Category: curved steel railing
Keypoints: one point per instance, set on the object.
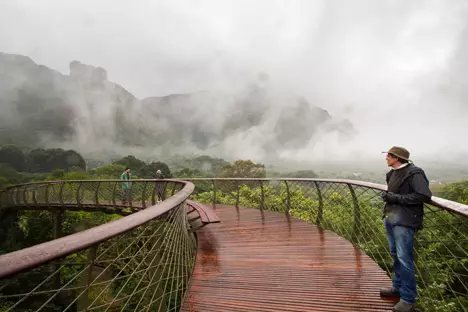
(105, 195)
(140, 262)
(235, 183)
(353, 209)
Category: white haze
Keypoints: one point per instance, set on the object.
(397, 69)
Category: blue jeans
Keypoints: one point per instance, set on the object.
(401, 241)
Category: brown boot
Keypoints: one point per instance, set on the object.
(402, 306)
(389, 292)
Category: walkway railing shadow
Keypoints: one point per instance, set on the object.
(141, 262)
(353, 209)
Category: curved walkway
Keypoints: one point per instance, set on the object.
(254, 261)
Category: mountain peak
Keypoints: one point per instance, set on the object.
(43, 108)
(87, 74)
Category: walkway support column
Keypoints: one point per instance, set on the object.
(288, 199)
(214, 192)
(320, 207)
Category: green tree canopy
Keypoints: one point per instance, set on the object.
(208, 164)
(188, 173)
(149, 171)
(110, 171)
(47, 160)
(457, 191)
(13, 156)
(301, 174)
(133, 163)
(243, 169)
(8, 176)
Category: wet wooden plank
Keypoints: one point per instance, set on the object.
(261, 262)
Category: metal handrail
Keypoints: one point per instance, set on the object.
(34, 256)
(458, 208)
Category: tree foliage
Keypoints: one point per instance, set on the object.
(149, 171)
(188, 173)
(13, 156)
(457, 191)
(310, 174)
(243, 169)
(110, 171)
(207, 164)
(131, 162)
(47, 160)
(9, 176)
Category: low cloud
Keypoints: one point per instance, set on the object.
(396, 70)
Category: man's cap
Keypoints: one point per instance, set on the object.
(399, 152)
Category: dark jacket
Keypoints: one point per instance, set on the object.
(413, 191)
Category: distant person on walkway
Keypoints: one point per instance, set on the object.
(160, 186)
(126, 176)
(408, 190)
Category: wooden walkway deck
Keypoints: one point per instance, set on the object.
(250, 262)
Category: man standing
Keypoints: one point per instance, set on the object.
(160, 185)
(159, 174)
(408, 190)
(126, 185)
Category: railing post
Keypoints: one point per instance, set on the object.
(143, 192)
(58, 219)
(61, 193)
(130, 193)
(173, 189)
(153, 194)
(320, 207)
(114, 202)
(357, 211)
(78, 199)
(17, 199)
(214, 192)
(237, 194)
(163, 191)
(12, 197)
(47, 194)
(34, 197)
(96, 194)
(8, 197)
(288, 199)
(25, 201)
(262, 203)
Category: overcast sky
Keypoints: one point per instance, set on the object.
(397, 69)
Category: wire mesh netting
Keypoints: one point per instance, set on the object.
(148, 267)
(144, 269)
(355, 212)
(112, 195)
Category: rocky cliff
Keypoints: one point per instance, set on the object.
(42, 107)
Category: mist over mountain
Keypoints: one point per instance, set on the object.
(304, 81)
(85, 111)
